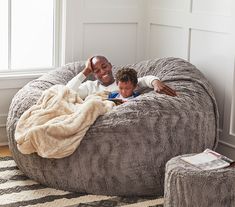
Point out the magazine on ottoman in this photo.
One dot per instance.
(208, 160)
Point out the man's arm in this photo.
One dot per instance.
(76, 81)
(77, 84)
(160, 87)
(154, 82)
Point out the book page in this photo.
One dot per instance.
(208, 160)
(215, 164)
(199, 158)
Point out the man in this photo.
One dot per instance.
(102, 70)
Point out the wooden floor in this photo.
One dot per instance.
(4, 151)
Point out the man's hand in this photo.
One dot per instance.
(88, 68)
(160, 87)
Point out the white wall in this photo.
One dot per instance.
(115, 28)
(126, 31)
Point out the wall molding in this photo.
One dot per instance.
(16, 81)
(3, 119)
(227, 144)
(232, 118)
(164, 25)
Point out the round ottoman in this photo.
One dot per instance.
(187, 186)
(125, 151)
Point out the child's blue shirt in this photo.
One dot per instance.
(116, 95)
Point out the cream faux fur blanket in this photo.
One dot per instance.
(56, 124)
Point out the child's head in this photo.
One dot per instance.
(126, 79)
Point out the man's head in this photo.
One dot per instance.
(126, 79)
(102, 70)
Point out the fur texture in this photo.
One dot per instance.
(125, 151)
(186, 185)
(56, 124)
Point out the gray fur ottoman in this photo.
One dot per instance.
(188, 186)
(125, 151)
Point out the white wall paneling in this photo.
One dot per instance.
(110, 4)
(212, 7)
(227, 141)
(125, 51)
(72, 25)
(8, 88)
(112, 28)
(167, 41)
(173, 5)
(168, 32)
(214, 61)
(232, 123)
(232, 91)
(228, 136)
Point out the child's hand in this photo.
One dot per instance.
(117, 101)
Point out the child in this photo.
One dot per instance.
(126, 79)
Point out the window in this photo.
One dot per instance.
(29, 33)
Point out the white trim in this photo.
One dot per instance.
(191, 6)
(16, 82)
(189, 43)
(9, 35)
(227, 144)
(57, 49)
(16, 76)
(63, 31)
(232, 113)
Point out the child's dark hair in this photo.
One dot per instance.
(125, 75)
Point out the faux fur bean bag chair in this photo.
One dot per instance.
(125, 151)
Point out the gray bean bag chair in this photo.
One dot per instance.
(125, 151)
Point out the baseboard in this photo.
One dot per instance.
(227, 144)
(226, 149)
(3, 144)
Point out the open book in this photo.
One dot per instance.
(117, 101)
(208, 160)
